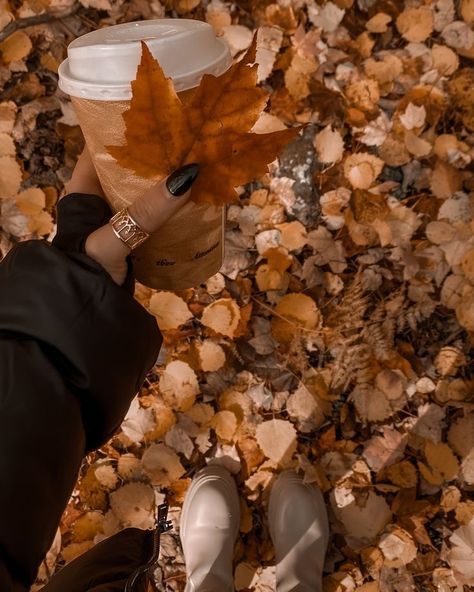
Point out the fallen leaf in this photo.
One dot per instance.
(362, 169)
(366, 520)
(397, 547)
(415, 24)
(16, 47)
(277, 439)
(442, 464)
(224, 424)
(211, 128)
(413, 116)
(461, 554)
(222, 316)
(293, 312)
(329, 145)
(10, 177)
(133, 505)
(385, 450)
(179, 385)
(212, 356)
(162, 465)
(170, 310)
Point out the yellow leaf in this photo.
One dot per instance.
(211, 355)
(442, 464)
(10, 177)
(222, 316)
(170, 310)
(397, 547)
(162, 465)
(15, 47)
(224, 424)
(293, 312)
(361, 169)
(179, 385)
(415, 24)
(277, 439)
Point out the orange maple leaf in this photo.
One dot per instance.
(212, 127)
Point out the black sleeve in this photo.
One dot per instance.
(74, 350)
(102, 340)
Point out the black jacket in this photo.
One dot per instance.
(74, 350)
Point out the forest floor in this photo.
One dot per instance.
(337, 339)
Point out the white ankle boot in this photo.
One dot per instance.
(209, 526)
(300, 532)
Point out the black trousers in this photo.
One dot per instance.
(74, 350)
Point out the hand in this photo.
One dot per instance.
(150, 211)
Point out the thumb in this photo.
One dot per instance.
(160, 202)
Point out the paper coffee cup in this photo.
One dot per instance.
(97, 75)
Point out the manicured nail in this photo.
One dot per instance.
(181, 180)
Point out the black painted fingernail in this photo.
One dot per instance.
(182, 179)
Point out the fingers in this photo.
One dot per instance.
(84, 178)
(163, 200)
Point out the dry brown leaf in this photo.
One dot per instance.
(450, 498)
(449, 360)
(366, 519)
(162, 465)
(211, 128)
(294, 312)
(467, 265)
(138, 422)
(364, 95)
(32, 202)
(467, 11)
(442, 464)
(403, 474)
(133, 505)
(461, 554)
(329, 145)
(465, 309)
(225, 425)
(218, 16)
(371, 404)
(327, 16)
(413, 116)
(362, 169)
(179, 385)
(293, 237)
(222, 316)
(461, 435)
(7, 146)
(277, 439)
(305, 408)
(397, 547)
(378, 23)
(269, 40)
(467, 468)
(170, 310)
(211, 355)
(445, 60)
(10, 177)
(416, 145)
(415, 24)
(15, 47)
(385, 450)
(8, 111)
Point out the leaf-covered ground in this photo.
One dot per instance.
(338, 337)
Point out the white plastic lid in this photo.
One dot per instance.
(101, 64)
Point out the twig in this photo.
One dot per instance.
(39, 19)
